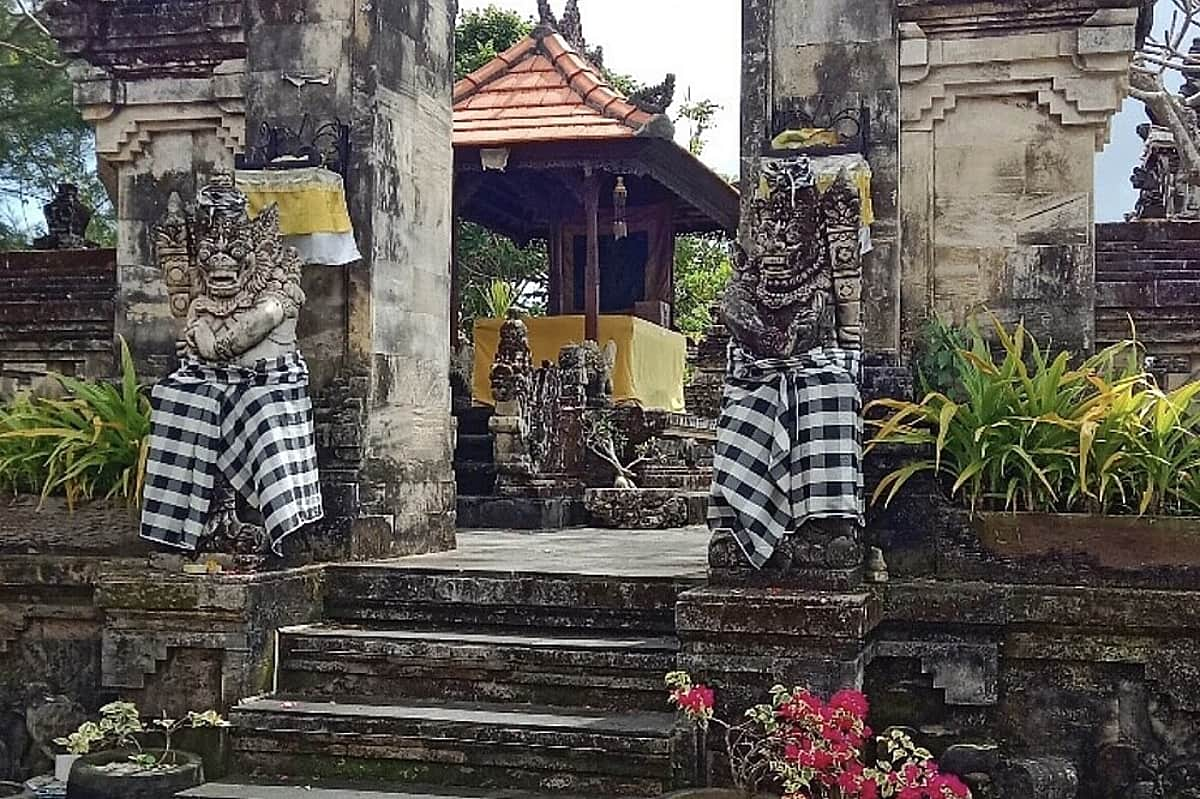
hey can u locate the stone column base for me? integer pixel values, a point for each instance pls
(207, 641)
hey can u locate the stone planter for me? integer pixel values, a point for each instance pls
(62, 766)
(29, 525)
(90, 779)
(644, 508)
(1071, 549)
(13, 790)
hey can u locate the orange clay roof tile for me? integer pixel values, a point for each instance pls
(540, 90)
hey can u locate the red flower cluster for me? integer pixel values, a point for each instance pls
(815, 749)
(696, 700)
(824, 741)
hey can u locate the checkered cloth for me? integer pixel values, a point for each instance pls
(789, 447)
(251, 424)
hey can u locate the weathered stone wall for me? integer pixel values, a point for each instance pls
(56, 314)
(1150, 272)
(1002, 110)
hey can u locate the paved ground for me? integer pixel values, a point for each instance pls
(606, 553)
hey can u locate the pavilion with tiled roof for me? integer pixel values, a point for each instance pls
(545, 148)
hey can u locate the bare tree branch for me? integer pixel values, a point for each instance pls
(16, 48)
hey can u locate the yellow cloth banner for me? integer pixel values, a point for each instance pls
(311, 200)
(650, 359)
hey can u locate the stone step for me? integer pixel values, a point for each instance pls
(610, 672)
(483, 746)
(519, 513)
(475, 478)
(474, 447)
(473, 420)
(436, 599)
(248, 789)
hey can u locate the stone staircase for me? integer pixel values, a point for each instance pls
(474, 460)
(480, 684)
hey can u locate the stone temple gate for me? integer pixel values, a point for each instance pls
(538, 667)
(177, 89)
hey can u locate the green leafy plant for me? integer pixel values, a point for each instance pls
(938, 355)
(1027, 431)
(93, 443)
(121, 727)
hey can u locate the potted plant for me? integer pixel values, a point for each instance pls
(77, 744)
(126, 765)
(1059, 465)
(806, 748)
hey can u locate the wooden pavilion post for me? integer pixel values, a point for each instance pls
(455, 283)
(591, 288)
(555, 304)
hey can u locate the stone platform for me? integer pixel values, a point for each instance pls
(679, 553)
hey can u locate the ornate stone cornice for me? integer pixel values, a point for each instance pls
(1079, 74)
(155, 38)
(991, 17)
(128, 111)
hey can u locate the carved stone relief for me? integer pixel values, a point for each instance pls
(798, 282)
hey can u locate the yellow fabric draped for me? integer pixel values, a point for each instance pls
(311, 200)
(650, 359)
(826, 169)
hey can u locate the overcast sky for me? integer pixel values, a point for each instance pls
(701, 44)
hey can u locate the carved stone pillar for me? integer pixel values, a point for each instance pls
(512, 388)
(172, 87)
(1002, 113)
(163, 85)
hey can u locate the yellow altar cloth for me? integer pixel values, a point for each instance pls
(650, 359)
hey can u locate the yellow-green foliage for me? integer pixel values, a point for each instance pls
(91, 444)
(1031, 432)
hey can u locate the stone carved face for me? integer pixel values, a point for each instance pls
(225, 260)
(511, 371)
(791, 247)
(230, 276)
(798, 278)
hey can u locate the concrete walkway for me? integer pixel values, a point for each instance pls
(681, 553)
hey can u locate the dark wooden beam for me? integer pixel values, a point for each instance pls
(591, 287)
(555, 298)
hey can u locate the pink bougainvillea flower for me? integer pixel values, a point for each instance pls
(947, 786)
(697, 700)
(854, 702)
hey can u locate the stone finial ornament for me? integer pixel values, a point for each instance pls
(230, 277)
(67, 219)
(512, 370)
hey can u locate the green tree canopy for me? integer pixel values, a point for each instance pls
(43, 139)
(480, 36)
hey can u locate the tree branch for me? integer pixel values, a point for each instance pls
(1149, 88)
(16, 48)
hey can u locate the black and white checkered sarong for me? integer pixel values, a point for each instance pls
(253, 425)
(789, 447)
